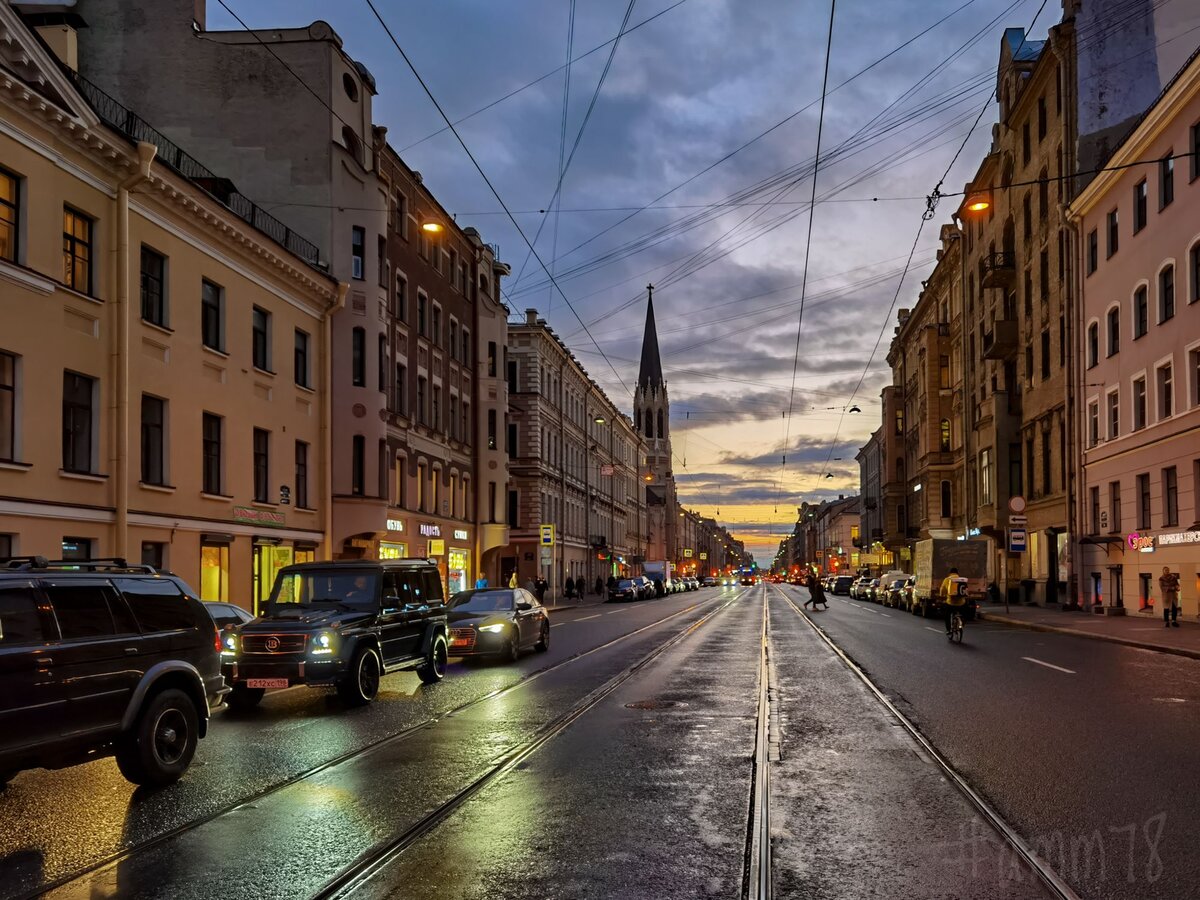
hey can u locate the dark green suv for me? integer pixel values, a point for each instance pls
(101, 658)
(341, 624)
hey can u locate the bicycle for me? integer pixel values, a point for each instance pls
(955, 634)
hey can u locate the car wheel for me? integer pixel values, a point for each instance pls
(543, 643)
(511, 652)
(361, 684)
(243, 698)
(434, 669)
(160, 746)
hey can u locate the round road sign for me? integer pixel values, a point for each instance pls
(1016, 504)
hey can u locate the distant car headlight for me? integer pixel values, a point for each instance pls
(229, 645)
(322, 644)
(494, 628)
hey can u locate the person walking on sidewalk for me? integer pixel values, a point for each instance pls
(1168, 583)
(540, 587)
(569, 588)
(599, 586)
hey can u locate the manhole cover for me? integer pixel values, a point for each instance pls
(655, 704)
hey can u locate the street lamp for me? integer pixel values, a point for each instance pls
(978, 201)
(431, 226)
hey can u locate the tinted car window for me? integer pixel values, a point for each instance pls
(433, 587)
(87, 610)
(353, 588)
(157, 604)
(486, 601)
(20, 622)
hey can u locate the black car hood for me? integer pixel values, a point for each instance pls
(474, 617)
(312, 617)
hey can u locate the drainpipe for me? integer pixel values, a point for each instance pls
(120, 460)
(338, 302)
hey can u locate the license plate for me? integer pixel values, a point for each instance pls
(266, 682)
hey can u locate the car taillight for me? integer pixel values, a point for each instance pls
(217, 640)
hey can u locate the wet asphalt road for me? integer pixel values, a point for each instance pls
(633, 780)
(1096, 766)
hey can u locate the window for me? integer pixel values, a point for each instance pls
(1045, 354)
(1193, 366)
(1093, 424)
(300, 359)
(1139, 206)
(512, 440)
(1027, 215)
(154, 298)
(1143, 487)
(20, 621)
(358, 245)
(381, 261)
(153, 425)
(1093, 251)
(400, 304)
(358, 357)
(260, 338)
(1094, 506)
(946, 498)
(77, 251)
(402, 215)
(1141, 312)
(214, 571)
(1044, 276)
(1025, 144)
(899, 421)
(1166, 180)
(421, 479)
(466, 422)
(465, 356)
(211, 461)
(150, 602)
(1114, 506)
(1041, 117)
(944, 439)
(76, 548)
(8, 407)
(1114, 331)
(437, 407)
(1170, 489)
(1114, 232)
(1166, 397)
(212, 315)
(383, 367)
(491, 429)
(1194, 256)
(491, 359)
(452, 417)
(77, 404)
(262, 471)
(358, 462)
(421, 411)
(1194, 149)
(1139, 404)
(453, 341)
(89, 611)
(401, 389)
(10, 214)
(944, 373)
(1114, 414)
(985, 477)
(302, 475)
(437, 325)
(1046, 463)
(1166, 294)
(422, 312)
(1093, 344)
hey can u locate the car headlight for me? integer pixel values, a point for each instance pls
(229, 645)
(322, 644)
(494, 628)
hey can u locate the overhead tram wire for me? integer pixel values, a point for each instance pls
(930, 212)
(562, 137)
(490, 185)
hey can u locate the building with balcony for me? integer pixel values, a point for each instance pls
(576, 465)
(164, 359)
(1138, 399)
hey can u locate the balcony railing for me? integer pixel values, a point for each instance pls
(999, 268)
(130, 124)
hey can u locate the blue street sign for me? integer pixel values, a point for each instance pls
(1018, 540)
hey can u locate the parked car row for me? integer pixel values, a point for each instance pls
(642, 587)
(898, 591)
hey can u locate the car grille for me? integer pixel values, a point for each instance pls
(462, 638)
(273, 643)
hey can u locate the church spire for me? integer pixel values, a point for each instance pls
(650, 375)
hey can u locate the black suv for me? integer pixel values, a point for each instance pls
(101, 658)
(344, 624)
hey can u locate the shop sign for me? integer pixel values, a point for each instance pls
(253, 516)
(437, 548)
(606, 470)
(460, 534)
(428, 529)
(395, 524)
(1179, 537)
(1139, 543)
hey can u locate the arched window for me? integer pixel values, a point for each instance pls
(947, 505)
(945, 435)
(1114, 330)
(1093, 344)
(649, 424)
(662, 432)
(638, 414)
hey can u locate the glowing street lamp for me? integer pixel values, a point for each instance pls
(978, 201)
(432, 227)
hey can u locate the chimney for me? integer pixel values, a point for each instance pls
(57, 25)
(531, 317)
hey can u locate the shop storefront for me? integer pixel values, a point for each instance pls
(393, 545)
(1125, 571)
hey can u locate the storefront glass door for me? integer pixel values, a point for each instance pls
(268, 560)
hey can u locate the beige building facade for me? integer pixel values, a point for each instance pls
(163, 391)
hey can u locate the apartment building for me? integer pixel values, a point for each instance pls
(164, 389)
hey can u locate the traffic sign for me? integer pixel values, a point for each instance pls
(547, 535)
(1018, 540)
(687, 552)
(1017, 520)
(1016, 504)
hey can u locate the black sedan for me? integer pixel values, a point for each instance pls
(497, 622)
(625, 589)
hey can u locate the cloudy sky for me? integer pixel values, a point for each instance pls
(653, 193)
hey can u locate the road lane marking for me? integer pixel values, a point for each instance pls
(1048, 665)
(888, 615)
(585, 618)
(935, 630)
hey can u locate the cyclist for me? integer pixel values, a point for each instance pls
(954, 596)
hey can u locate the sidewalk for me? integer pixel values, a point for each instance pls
(1133, 629)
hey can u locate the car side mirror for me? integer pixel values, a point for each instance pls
(524, 607)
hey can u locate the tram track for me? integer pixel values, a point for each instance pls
(1038, 866)
(758, 881)
(116, 859)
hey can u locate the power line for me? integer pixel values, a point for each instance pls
(562, 137)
